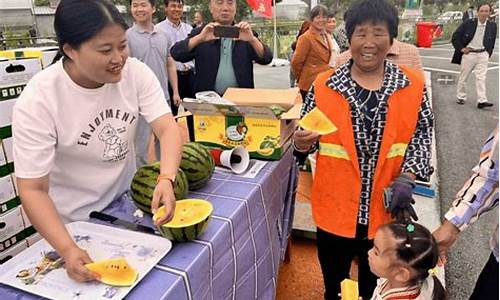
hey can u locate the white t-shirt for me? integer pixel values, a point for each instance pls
(83, 138)
(422, 292)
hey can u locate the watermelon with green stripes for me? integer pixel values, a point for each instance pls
(190, 220)
(144, 183)
(198, 164)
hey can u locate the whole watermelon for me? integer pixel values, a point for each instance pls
(198, 164)
(144, 183)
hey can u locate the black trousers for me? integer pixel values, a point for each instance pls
(335, 255)
(303, 93)
(487, 283)
(185, 83)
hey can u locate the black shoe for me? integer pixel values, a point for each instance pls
(460, 101)
(484, 104)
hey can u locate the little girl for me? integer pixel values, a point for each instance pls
(403, 256)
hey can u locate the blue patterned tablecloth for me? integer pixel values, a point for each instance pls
(239, 254)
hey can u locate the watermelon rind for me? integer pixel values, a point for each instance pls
(198, 164)
(144, 183)
(188, 232)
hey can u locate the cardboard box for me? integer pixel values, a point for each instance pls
(286, 98)
(3, 157)
(26, 220)
(10, 241)
(264, 130)
(11, 223)
(44, 54)
(32, 239)
(8, 197)
(6, 107)
(13, 251)
(8, 145)
(14, 74)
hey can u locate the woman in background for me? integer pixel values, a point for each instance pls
(313, 51)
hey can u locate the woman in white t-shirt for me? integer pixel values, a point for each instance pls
(74, 127)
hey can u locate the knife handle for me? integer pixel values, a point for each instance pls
(102, 217)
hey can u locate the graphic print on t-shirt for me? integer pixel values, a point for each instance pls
(114, 148)
(112, 136)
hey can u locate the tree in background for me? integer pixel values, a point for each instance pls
(41, 2)
(242, 9)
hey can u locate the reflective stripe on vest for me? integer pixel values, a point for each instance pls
(333, 150)
(398, 149)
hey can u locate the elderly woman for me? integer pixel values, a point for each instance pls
(313, 50)
(384, 122)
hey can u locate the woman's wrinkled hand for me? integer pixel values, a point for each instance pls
(304, 139)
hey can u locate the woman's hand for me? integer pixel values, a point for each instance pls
(304, 139)
(75, 260)
(164, 192)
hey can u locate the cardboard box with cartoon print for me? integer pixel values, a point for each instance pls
(261, 120)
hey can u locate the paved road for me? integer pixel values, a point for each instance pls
(460, 131)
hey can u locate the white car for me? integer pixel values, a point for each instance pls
(449, 16)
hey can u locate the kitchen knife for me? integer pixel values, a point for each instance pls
(114, 220)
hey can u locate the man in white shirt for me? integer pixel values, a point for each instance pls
(177, 31)
(474, 41)
(151, 46)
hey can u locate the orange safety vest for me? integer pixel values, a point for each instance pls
(337, 184)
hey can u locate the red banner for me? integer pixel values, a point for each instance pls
(262, 7)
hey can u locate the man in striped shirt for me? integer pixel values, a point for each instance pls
(478, 195)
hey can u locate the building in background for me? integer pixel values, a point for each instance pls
(15, 15)
(291, 9)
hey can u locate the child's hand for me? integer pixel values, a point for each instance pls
(74, 261)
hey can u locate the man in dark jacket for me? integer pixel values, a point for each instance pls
(468, 14)
(474, 41)
(222, 62)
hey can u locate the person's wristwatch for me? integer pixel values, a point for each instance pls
(169, 177)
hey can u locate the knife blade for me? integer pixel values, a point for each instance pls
(129, 225)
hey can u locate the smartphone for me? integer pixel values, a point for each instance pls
(227, 31)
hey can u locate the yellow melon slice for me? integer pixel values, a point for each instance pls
(349, 290)
(115, 272)
(317, 121)
(190, 220)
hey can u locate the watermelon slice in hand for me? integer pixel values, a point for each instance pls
(318, 122)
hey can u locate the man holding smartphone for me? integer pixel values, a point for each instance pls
(235, 45)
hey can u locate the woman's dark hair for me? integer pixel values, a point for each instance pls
(303, 28)
(318, 10)
(483, 4)
(375, 11)
(416, 247)
(77, 21)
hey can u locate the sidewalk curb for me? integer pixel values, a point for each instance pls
(429, 209)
